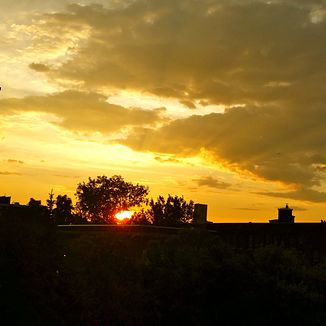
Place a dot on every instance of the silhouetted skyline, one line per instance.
(220, 101)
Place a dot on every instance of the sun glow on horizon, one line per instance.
(123, 215)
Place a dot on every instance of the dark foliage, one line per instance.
(62, 213)
(171, 211)
(28, 280)
(50, 202)
(142, 217)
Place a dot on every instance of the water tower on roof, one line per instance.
(284, 215)
(200, 214)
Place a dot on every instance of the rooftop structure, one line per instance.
(5, 200)
(200, 214)
(284, 215)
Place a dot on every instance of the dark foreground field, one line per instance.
(55, 277)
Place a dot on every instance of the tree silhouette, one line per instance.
(50, 202)
(63, 211)
(172, 211)
(100, 199)
(142, 217)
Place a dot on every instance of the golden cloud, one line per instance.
(7, 173)
(211, 182)
(272, 143)
(39, 67)
(304, 194)
(84, 111)
(268, 57)
(223, 52)
(15, 161)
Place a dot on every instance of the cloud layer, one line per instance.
(211, 183)
(271, 143)
(265, 59)
(81, 111)
(223, 52)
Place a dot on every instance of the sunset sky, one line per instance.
(221, 101)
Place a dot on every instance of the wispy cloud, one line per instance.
(15, 161)
(9, 173)
(309, 195)
(211, 183)
(163, 159)
(246, 209)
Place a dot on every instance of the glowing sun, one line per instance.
(123, 215)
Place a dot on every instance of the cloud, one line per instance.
(67, 176)
(188, 104)
(299, 209)
(39, 67)
(266, 57)
(9, 173)
(84, 111)
(246, 209)
(309, 195)
(220, 51)
(271, 143)
(167, 160)
(15, 161)
(211, 183)
(321, 168)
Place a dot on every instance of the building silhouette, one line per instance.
(200, 214)
(5, 200)
(284, 215)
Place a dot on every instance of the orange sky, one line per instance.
(222, 101)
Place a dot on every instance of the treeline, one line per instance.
(99, 200)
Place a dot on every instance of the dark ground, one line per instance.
(186, 277)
